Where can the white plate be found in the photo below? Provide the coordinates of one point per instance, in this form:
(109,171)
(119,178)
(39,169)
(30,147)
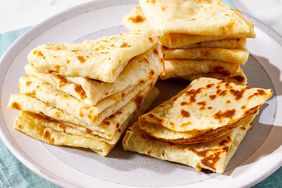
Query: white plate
(259,155)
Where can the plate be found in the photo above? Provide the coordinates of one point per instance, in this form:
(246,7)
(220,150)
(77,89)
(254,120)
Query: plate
(259,155)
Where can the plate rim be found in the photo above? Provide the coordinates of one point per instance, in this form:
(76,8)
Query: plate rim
(35,31)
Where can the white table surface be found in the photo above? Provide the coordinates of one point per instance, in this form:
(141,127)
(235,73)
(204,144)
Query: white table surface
(15,14)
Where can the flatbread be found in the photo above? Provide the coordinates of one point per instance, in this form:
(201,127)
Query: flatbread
(206,104)
(90,91)
(217,54)
(203,18)
(103,59)
(162,133)
(236,78)
(174,68)
(50,136)
(56,133)
(179,40)
(48,94)
(28,103)
(238,43)
(213,156)
(137,20)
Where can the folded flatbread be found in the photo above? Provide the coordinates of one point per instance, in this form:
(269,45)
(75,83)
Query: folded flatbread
(202,18)
(238,77)
(106,129)
(217,54)
(213,156)
(174,68)
(137,20)
(139,69)
(192,137)
(57,133)
(92,115)
(238,43)
(207,104)
(103,59)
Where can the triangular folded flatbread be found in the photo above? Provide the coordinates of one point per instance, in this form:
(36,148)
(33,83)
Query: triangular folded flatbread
(137,20)
(57,133)
(91,115)
(102,59)
(238,43)
(89,91)
(217,54)
(174,68)
(207,104)
(202,18)
(213,156)
(192,137)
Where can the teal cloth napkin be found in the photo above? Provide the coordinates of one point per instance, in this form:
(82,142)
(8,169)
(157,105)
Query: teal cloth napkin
(14,174)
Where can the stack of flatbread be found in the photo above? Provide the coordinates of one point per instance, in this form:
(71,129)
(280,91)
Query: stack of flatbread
(202,126)
(85,94)
(199,38)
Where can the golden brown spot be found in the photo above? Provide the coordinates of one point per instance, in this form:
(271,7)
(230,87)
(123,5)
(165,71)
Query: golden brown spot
(150,39)
(155,51)
(57,114)
(202,108)
(238,78)
(137,19)
(31,94)
(80,91)
(212,97)
(20,126)
(203,103)
(155,118)
(209,107)
(221,92)
(252,110)
(141,81)
(243,107)
(39,53)
(228,102)
(16,106)
(119,130)
(225,141)
(138,101)
(62,127)
(185,113)
(237,94)
(210,85)
(163,8)
(209,156)
(47,136)
(52,71)
(183,103)
(106,122)
(149,152)
(227,114)
(221,70)
(193,93)
(57,67)
(117,125)
(88,131)
(81,59)
(124,45)
(243,128)
(28,83)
